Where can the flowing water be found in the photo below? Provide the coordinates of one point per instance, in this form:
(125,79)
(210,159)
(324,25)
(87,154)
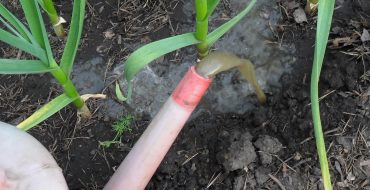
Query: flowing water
(253,38)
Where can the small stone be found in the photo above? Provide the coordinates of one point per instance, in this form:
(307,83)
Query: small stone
(205,152)
(351,177)
(346,142)
(365,36)
(101,9)
(239,183)
(193,168)
(159,177)
(336,29)
(297,156)
(202,181)
(103,48)
(260,117)
(89,131)
(354,23)
(268,144)
(265,15)
(261,175)
(224,134)
(299,16)
(316,171)
(239,155)
(93,152)
(146,39)
(109,34)
(106,118)
(119,39)
(292,5)
(265,158)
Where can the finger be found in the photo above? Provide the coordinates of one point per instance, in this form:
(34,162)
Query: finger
(2,179)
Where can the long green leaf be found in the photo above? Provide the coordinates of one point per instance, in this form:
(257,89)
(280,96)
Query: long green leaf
(220,31)
(49,8)
(42,4)
(14,66)
(37,26)
(212,4)
(325,14)
(22,44)
(146,54)
(74,36)
(20,28)
(119,94)
(15,32)
(45,112)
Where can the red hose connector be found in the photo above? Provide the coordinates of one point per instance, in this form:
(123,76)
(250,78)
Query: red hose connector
(191,89)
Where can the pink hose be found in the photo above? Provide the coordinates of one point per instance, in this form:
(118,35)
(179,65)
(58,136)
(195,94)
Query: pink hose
(140,164)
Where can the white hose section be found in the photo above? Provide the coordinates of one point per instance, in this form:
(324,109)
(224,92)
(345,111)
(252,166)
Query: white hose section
(25,164)
(141,163)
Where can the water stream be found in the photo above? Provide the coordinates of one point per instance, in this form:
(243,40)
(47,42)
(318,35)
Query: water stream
(253,38)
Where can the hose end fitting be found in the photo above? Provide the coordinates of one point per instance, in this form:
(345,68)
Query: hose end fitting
(191,89)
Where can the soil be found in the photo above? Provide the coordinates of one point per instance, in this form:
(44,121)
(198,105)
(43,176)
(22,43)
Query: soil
(270,147)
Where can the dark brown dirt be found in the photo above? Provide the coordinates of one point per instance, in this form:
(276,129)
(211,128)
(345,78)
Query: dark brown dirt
(200,156)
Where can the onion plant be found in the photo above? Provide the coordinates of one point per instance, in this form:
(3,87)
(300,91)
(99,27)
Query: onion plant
(201,38)
(54,18)
(325,14)
(34,40)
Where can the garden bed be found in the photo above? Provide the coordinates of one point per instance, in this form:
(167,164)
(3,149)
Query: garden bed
(265,147)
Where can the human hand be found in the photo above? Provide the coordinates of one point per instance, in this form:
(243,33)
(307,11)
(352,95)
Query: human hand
(25,164)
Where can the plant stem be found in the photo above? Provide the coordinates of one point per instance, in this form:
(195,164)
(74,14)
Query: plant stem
(68,86)
(49,7)
(325,14)
(201,27)
(319,136)
(59,30)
